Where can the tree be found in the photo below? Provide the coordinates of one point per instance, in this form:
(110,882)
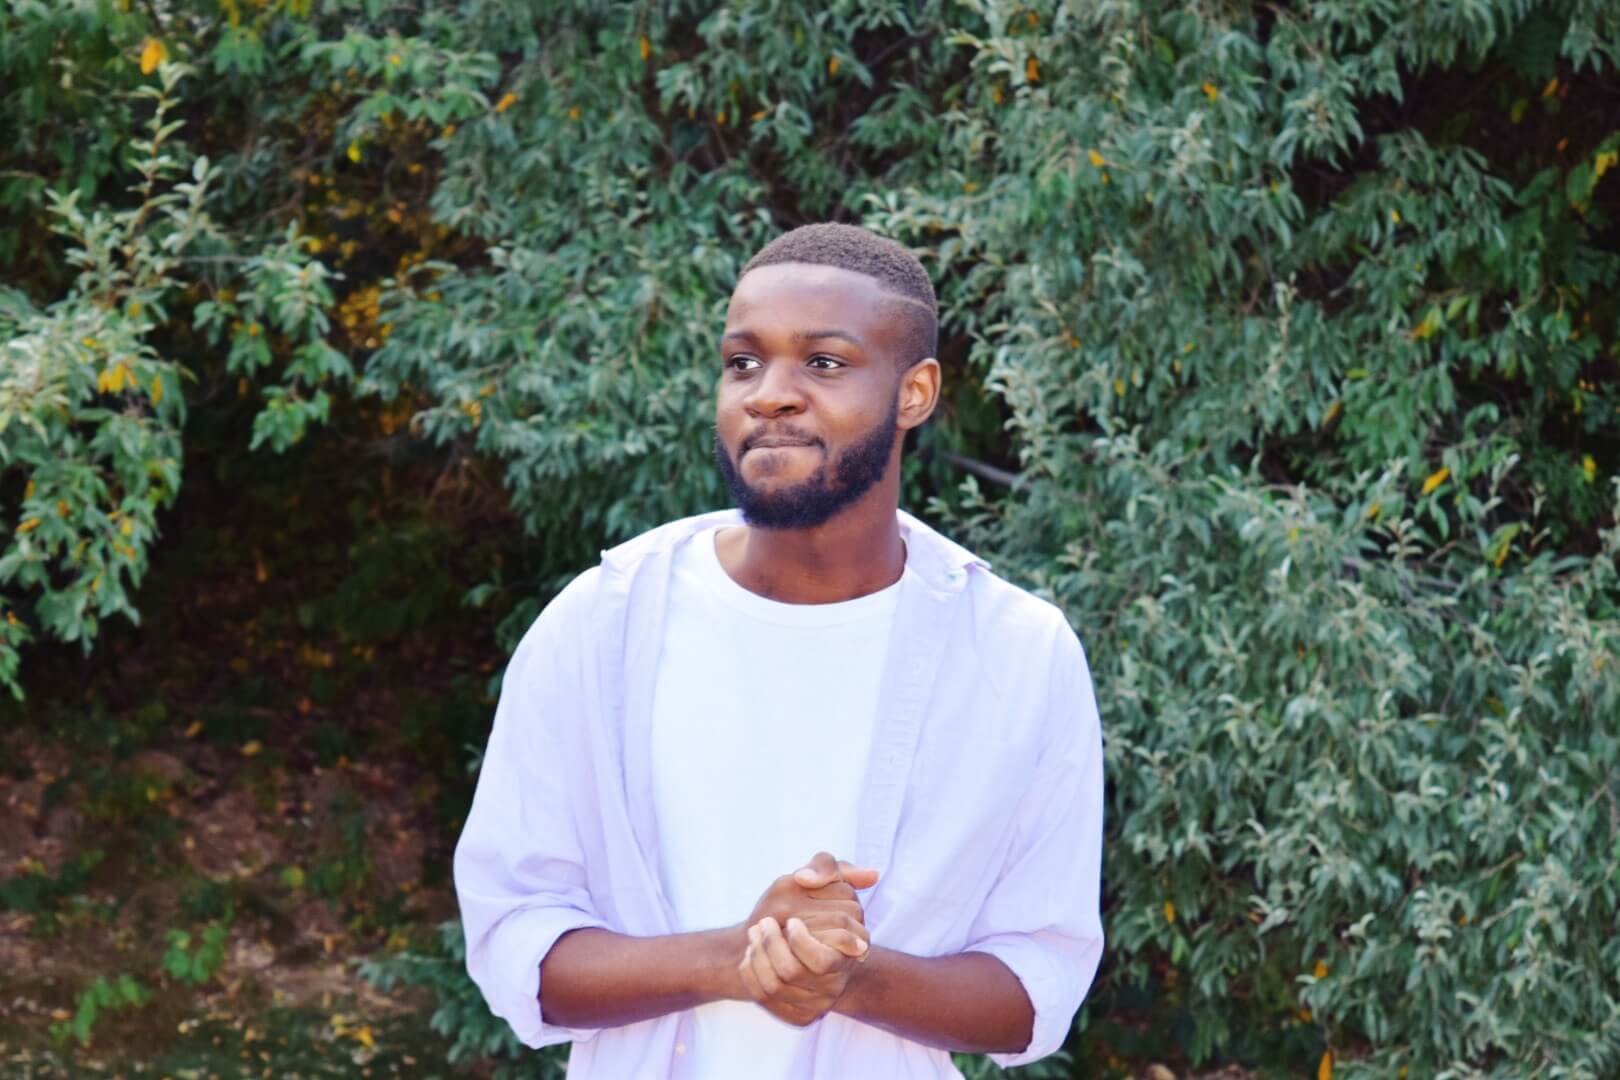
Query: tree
(1281,346)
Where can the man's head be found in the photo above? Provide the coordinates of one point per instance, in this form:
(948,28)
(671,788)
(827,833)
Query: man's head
(827,357)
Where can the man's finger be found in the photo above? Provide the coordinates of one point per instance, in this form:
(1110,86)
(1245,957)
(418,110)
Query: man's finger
(745,971)
(858,877)
(816,955)
(822,869)
(776,948)
(849,938)
(770,984)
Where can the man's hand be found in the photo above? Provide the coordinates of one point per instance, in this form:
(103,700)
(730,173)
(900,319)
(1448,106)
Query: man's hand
(821,894)
(797,975)
(805,937)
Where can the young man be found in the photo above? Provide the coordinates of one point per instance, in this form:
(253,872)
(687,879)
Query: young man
(815,672)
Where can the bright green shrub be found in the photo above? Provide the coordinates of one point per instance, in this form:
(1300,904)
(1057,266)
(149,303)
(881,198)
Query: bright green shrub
(1281,347)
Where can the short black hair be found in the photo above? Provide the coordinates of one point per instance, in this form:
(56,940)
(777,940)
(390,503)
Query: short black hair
(850,247)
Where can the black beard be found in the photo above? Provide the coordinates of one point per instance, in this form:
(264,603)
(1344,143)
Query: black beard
(833,487)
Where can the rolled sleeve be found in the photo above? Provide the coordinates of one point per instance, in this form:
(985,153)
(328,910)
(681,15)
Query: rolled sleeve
(1055,972)
(511,971)
(1042,916)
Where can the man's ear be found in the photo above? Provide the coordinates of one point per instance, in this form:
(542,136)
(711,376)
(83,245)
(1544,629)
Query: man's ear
(919,393)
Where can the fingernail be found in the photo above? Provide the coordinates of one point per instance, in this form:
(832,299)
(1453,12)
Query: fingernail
(860,946)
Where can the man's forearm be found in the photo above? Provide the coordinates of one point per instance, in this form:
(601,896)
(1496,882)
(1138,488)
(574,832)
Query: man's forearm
(594,978)
(970,1002)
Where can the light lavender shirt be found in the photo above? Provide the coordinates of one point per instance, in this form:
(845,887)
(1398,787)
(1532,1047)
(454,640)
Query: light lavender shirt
(982,804)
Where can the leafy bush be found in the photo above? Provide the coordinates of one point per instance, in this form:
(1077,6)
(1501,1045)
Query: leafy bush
(1281,350)
(460,1014)
(193,963)
(101,996)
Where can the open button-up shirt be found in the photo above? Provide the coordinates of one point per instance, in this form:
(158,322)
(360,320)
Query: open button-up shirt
(982,804)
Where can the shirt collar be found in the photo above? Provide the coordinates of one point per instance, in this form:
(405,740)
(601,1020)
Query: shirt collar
(941,563)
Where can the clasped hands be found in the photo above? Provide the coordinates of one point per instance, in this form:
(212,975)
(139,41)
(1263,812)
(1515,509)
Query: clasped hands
(805,937)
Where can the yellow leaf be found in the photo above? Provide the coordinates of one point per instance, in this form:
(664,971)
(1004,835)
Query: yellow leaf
(251,748)
(194,729)
(573,112)
(1096,159)
(363,1036)
(1551,88)
(112,380)
(1333,413)
(506,102)
(997,94)
(1374,510)
(449,130)
(28,492)
(157,389)
(1603,163)
(152,54)
(1435,479)
(28,526)
(1320,970)
(1169,911)
(832,66)
(393,58)
(1211,91)
(1119,387)
(1032,70)
(354,152)
(1395,216)
(1589,468)
(646,47)
(1324,1070)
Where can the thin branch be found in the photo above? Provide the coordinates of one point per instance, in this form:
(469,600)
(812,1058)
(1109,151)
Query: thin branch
(983,470)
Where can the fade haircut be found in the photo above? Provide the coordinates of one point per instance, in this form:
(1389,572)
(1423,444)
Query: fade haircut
(897,270)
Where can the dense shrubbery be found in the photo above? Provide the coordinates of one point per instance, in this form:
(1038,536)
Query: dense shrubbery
(1282,346)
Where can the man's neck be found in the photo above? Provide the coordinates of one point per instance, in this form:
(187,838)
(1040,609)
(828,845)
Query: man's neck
(856,553)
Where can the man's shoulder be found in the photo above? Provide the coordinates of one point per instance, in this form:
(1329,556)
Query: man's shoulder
(1009,616)
(628,554)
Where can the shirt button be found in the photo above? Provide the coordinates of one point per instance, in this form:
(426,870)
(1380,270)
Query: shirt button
(680,1048)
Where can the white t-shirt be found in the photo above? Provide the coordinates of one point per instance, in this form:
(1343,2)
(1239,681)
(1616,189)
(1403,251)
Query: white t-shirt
(762,724)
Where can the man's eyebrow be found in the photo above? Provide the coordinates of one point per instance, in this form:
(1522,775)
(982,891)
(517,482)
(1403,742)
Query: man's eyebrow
(801,336)
(822,335)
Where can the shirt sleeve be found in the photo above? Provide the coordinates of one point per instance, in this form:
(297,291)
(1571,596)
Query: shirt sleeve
(1041,918)
(519,865)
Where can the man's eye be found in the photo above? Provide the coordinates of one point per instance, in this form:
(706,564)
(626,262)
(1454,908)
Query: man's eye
(742,363)
(826,363)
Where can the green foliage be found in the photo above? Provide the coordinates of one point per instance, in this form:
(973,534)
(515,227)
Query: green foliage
(34,892)
(460,1013)
(1281,349)
(193,964)
(103,995)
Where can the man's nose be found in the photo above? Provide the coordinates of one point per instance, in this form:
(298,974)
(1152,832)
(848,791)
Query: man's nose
(776,392)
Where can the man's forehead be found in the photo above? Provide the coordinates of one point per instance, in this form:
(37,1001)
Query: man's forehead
(809,284)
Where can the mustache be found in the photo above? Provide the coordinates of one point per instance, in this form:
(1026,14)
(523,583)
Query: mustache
(779,436)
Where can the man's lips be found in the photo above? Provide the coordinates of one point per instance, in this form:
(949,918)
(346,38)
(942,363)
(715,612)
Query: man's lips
(775,443)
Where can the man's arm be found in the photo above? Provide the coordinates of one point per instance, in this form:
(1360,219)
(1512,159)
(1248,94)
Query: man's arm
(596,978)
(970,1002)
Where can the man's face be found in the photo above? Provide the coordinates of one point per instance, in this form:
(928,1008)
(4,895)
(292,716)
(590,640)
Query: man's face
(808,398)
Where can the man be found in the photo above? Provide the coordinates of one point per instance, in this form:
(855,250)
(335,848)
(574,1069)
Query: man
(816,672)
